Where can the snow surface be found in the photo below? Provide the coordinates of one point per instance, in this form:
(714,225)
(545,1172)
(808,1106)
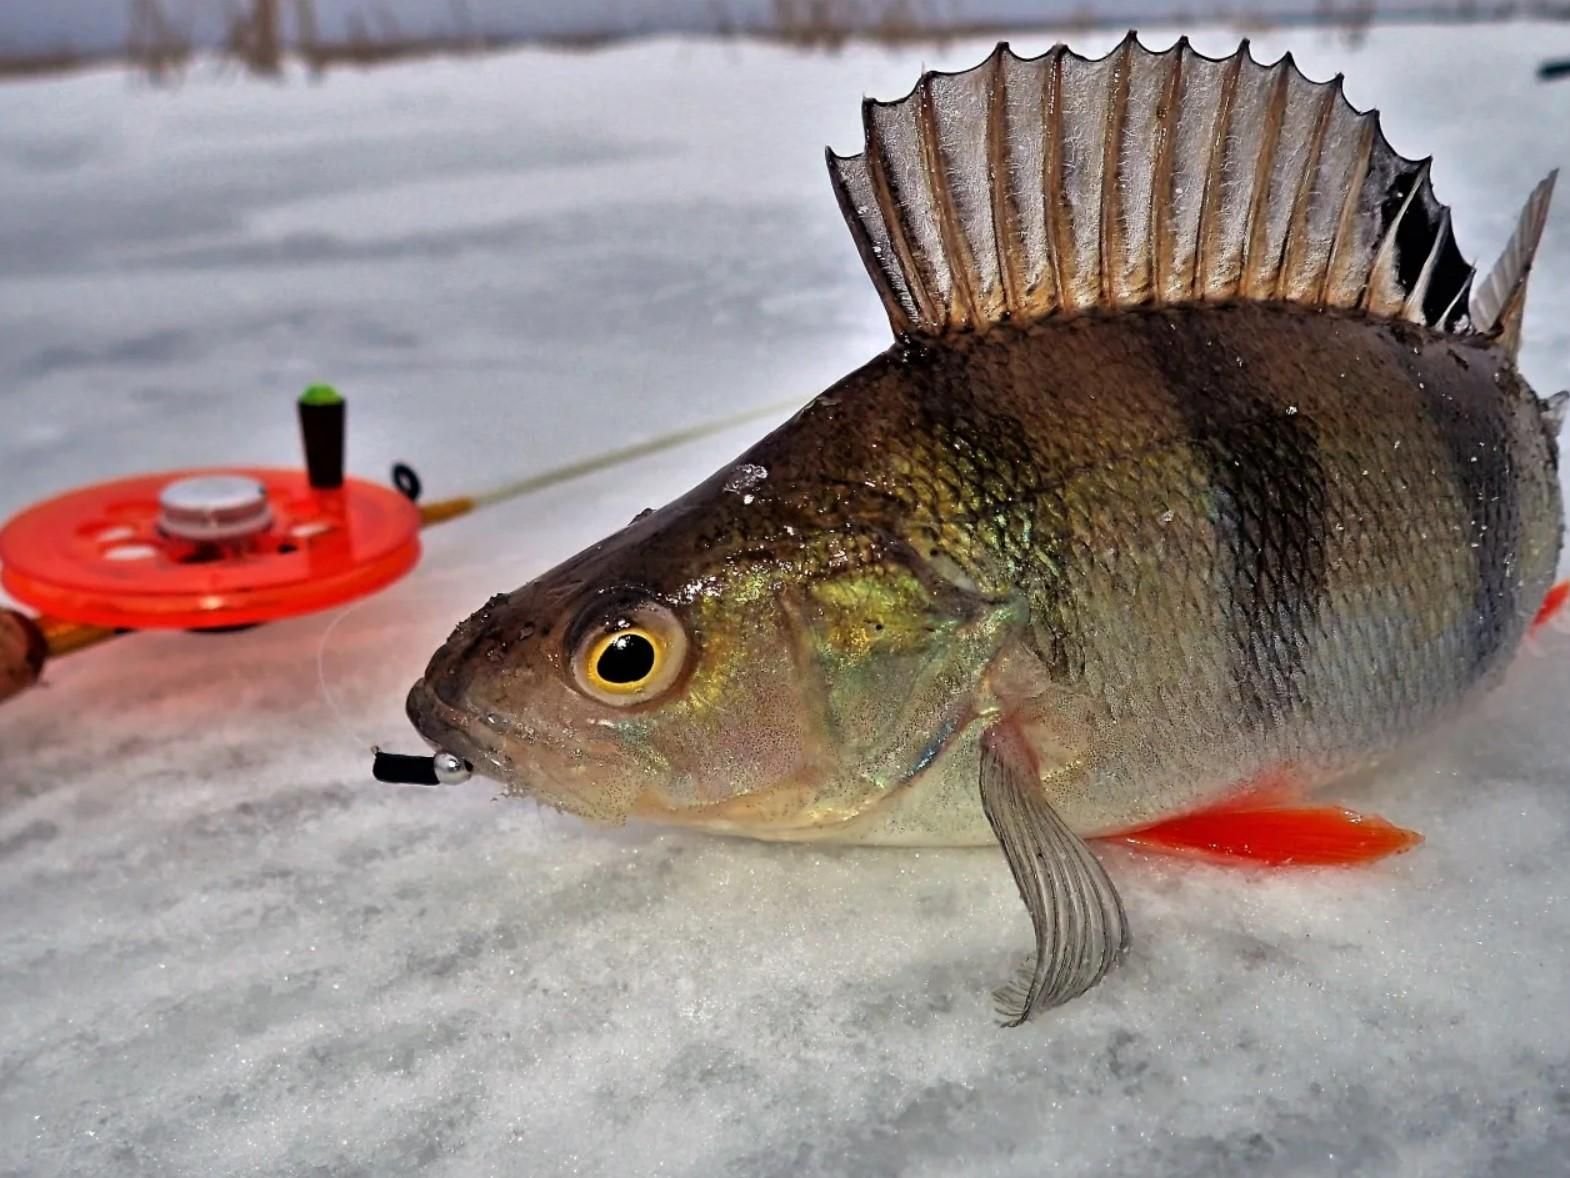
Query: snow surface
(226,950)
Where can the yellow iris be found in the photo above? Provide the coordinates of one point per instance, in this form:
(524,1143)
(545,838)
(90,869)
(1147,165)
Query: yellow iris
(624,661)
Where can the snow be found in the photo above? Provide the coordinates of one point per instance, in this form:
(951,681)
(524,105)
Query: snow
(226,950)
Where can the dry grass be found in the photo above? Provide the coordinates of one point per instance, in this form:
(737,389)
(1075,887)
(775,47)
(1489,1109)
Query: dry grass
(255,38)
(23,66)
(261,35)
(156,45)
(373,36)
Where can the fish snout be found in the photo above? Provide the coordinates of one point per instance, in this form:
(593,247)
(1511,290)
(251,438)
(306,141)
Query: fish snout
(439,720)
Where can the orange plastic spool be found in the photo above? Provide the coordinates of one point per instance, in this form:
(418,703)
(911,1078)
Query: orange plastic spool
(105,555)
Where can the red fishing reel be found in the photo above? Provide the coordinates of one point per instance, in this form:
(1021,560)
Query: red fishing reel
(212,549)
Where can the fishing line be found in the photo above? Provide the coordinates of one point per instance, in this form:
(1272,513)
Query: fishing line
(443,510)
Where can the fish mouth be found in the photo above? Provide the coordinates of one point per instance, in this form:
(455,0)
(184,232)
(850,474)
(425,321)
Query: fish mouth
(450,729)
(487,745)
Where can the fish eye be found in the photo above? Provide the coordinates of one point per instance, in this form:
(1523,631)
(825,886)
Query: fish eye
(633,658)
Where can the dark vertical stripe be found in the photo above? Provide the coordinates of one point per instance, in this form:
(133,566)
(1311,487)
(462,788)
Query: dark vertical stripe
(1269,506)
(1474,425)
(993,477)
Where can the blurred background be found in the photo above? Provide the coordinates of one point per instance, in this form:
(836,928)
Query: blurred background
(162,34)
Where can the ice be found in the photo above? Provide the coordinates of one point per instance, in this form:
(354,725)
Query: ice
(226,950)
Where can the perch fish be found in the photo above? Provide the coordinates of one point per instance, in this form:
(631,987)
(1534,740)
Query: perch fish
(1199,474)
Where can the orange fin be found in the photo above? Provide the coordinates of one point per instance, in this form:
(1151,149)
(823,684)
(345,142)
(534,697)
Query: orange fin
(1553,602)
(1281,836)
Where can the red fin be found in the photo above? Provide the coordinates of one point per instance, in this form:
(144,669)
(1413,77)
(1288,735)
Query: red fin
(1302,835)
(1553,602)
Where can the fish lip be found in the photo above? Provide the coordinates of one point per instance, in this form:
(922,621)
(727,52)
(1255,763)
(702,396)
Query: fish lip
(450,729)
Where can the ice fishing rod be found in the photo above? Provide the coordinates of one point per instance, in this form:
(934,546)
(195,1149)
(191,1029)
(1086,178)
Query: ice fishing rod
(223,549)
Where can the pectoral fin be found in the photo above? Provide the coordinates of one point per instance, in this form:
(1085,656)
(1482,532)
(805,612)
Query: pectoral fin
(1081,930)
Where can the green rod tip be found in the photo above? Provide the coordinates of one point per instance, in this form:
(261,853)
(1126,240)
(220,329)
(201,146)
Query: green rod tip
(321,394)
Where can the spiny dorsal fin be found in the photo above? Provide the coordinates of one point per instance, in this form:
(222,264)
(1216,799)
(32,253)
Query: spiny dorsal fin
(1554,411)
(1500,302)
(1028,187)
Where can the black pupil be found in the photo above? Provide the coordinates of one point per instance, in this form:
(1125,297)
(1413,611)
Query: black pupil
(628,659)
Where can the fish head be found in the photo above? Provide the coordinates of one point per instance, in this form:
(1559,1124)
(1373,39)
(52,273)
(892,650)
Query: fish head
(743,674)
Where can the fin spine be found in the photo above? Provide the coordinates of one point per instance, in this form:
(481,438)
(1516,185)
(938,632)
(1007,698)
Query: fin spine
(1256,239)
(1203,280)
(1412,309)
(899,228)
(1056,209)
(861,234)
(1214,179)
(1005,217)
(1113,128)
(1297,224)
(1381,275)
(1161,173)
(963,295)
(1499,305)
(1336,265)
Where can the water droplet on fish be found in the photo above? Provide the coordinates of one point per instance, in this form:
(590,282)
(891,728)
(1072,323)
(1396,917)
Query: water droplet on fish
(1291,410)
(748,497)
(745,477)
(1398,444)
(1167,516)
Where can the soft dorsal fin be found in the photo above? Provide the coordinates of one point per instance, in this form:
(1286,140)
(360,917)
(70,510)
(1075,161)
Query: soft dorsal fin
(1025,188)
(1497,305)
